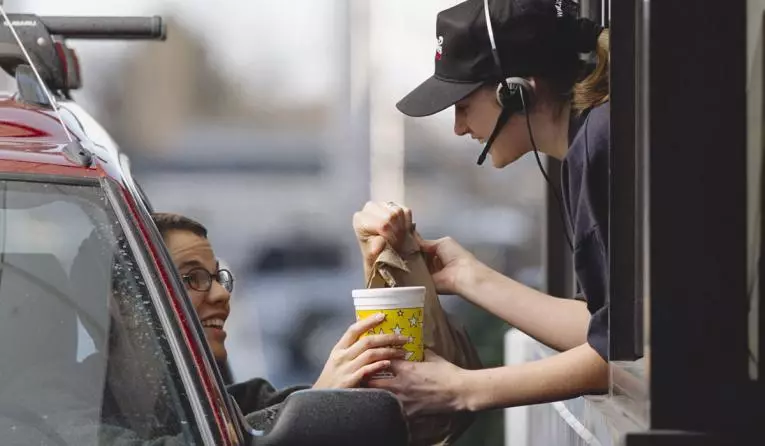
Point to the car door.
(96, 343)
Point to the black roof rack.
(44, 38)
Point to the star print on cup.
(408, 324)
(403, 317)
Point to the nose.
(460, 124)
(218, 294)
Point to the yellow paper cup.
(404, 315)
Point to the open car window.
(84, 356)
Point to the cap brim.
(435, 95)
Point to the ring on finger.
(392, 205)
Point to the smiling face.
(193, 256)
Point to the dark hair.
(167, 222)
(552, 53)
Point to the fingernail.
(403, 338)
(380, 316)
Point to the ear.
(533, 82)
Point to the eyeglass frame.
(217, 276)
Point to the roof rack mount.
(44, 38)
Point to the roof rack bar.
(114, 28)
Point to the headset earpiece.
(509, 94)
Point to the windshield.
(83, 357)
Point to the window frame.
(190, 375)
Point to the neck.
(553, 134)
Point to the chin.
(219, 352)
(499, 163)
(504, 159)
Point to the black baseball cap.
(528, 33)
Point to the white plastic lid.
(402, 297)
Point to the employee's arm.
(558, 323)
(578, 371)
(437, 386)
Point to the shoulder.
(596, 129)
(592, 139)
(600, 116)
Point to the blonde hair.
(593, 90)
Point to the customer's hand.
(352, 358)
(377, 224)
(429, 387)
(453, 268)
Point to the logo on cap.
(439, 47)
(566, 8)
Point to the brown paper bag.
(446, 338)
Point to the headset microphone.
(504, 116)
(513, 95)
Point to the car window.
(83, 357)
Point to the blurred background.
(271, 122)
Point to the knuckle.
(367, 342)
(357, 326)
(365, 357)
(337, 356)
(377, 354)
(378, 244)
(391, 352)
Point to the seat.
(38, 318)
(38, 347)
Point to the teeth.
(217, 323)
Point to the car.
(99, 342)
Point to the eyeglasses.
(199, 279)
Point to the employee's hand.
(353, 359)
(377, 224)
(429, 387)
(453, 268)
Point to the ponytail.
(593, 90)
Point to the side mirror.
(338, 418)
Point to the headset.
(514, 95)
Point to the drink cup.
(404, 311)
